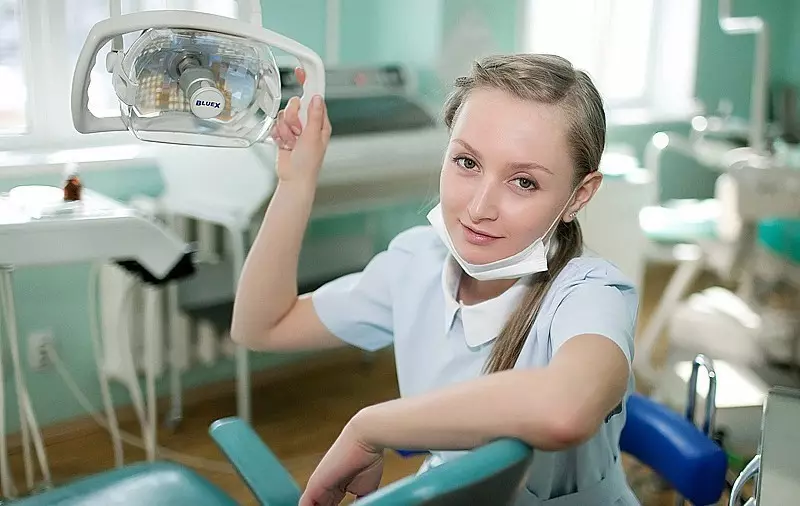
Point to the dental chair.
(676, 450)
(669, 444)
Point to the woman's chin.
(477, 255)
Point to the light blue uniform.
(406, 296)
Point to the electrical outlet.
(37, 349)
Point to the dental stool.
(675, 449)
(491, 474)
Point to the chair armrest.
(258, 467)
(675, 449)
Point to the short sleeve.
(595, 308)
(357, 308)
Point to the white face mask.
(531, 260)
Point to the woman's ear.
(588, 187)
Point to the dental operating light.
(191, 77)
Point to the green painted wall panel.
(372, 31)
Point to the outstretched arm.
(550, 408)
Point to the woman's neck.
(472, 291)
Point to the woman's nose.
(483, 205)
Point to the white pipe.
(332, 24)
(26, 414)
(243, 395)
(178, 335)
(6, 480)
(153, 338)
(758, 91)
(250, 10)
(115, 9)
(256, 13)
(97, 348)
(658, 144)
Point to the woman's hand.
(351, 465)
(300, 151)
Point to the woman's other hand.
(350, 466)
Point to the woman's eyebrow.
(529, 165)
(514, 165)
(466, 145)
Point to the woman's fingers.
(287, 138)
(293, 116)
(300, 74)
(314, 125)
(326, 125)
(274, 133)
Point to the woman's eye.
(526, 184)
(467, 163)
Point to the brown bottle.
(72, 186)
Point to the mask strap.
(552, 227)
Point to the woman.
(502, 325)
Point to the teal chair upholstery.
(491, 474)
(680, 221)
(258, 467)
(151, 484)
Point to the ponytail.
(508, 345)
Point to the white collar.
(484, 321)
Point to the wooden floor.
(298, 416)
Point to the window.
(640, 53)
(40, 41)
(83, 14)
(13, 96)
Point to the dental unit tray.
(34, 219)
(191, 78)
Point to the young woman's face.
(507, 175)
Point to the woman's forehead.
(505, 129)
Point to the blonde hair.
(546, 79)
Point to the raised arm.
(267, 312)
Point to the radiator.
(129, 309)
(198, 310)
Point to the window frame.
(46, 65)
(669, 86)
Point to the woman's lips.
(477, 237)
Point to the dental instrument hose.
(29, 427)
(110, 423)
(218, 466)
